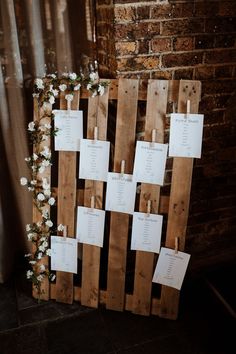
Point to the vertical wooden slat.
(124, 150)
(36, 215)
(97, 116)
(155, 119)
(179, 197)
(66, 202)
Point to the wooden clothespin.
(148, 207)
(95, 133)
(176, 244)
(65, 232)
(154, 133)
(188, 108)
(92, 202)
(122, 168)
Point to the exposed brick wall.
(186, 40)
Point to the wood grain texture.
(155, 119)
(179, 197)
(97, 117)
(119, 223)
(66, 202)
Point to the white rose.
(39, 83)
(42, 268)
(35, 156)
(72, 76)
(47, 192)
(64, 75)
(46, 152)
(45, 163)
(45, 244)
(77, 87)
(93, 76)
(28, 227)
(23, 181)
(51, 201)
(40, 277)
(40, 255)
(41, 248)
(94, 93)
(48, 252)
(30, 189)
(41, 169)
(69, 97)
(55, 92)
(29, 274)
(89, 86)
(51, 99)
(41, 197)
(101, 90)
(60, 227)
(31, 126)
(49, 223)
(32, 262)
(62, 87)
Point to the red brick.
(182, 27)
(183, 74)
(227, 8)
(124, 14)
(206, 9)
(204, 41)
(137, 64)
(218, 86)
(220, 56)
(204, 72)
(164, 11)
(220, 25)
(143, 12)
(161, 45)
(183, 44)
(131, 31)
(224, 41)
(124, 48)
(143, 46)
(162, 75)
(182, 59)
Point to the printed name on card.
(150, 162)
(90, 226)
(171, 268)
(186, 135)
(70, 129)
(64, 254)
(94, 159)
(121, 193)
(146, 232)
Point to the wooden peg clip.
(154, 133)
(92, 202)
(65, 232)
(148, 207)
(188, 108)
(176, 244)
(122, 169)
(95, 133)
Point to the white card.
(121, 193)
(90, 226)
(64, 254)
(186, 135)
(70, 125)
(150, 162)
(171, 268)
(94, 159)
(146, 232)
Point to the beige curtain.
(38, 36)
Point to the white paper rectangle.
(150, 162)
(64, 254)
(186, 135)
(146, 232)
(94, 159)
(70, 125)
(90, 226)
(171, 268)
(121, 193)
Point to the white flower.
(45, 244)
(77, 87)
(30, 189)
(39, 84)
(41, 197)
(72, 76)
(29, 274)
(28, 255)
(23, 181)
(42, 268)
(41, 248)
(32, 262)
(94, 93)
(46, 151)
(53, 76)
(69, 97)
(44, 137)
(55, 92)
(49, 223)
(45, 163)
(27, 159)
(64, 75)
(45, 213)
(48, 252)
(62, 87)
(40, 255)
(93, 76)
(45, 183)
(50, 87)
(101, 90)
(35, 95)
(28, 227)
(51, 201)
(40, 277)
(39, 223)
(89, 86)
(51, 100)
(33, 182)
(30, 236)
(34, 168)
(60, 227)
(35, 156)
(47, 192)
(31, 126)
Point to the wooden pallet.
(155, 94)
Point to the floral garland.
(46, 90)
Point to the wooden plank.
(179, 197)
(155, 119)
(39, 112)
(124, 150)
(97, 117)
(66, 203)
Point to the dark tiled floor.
(205, 325)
